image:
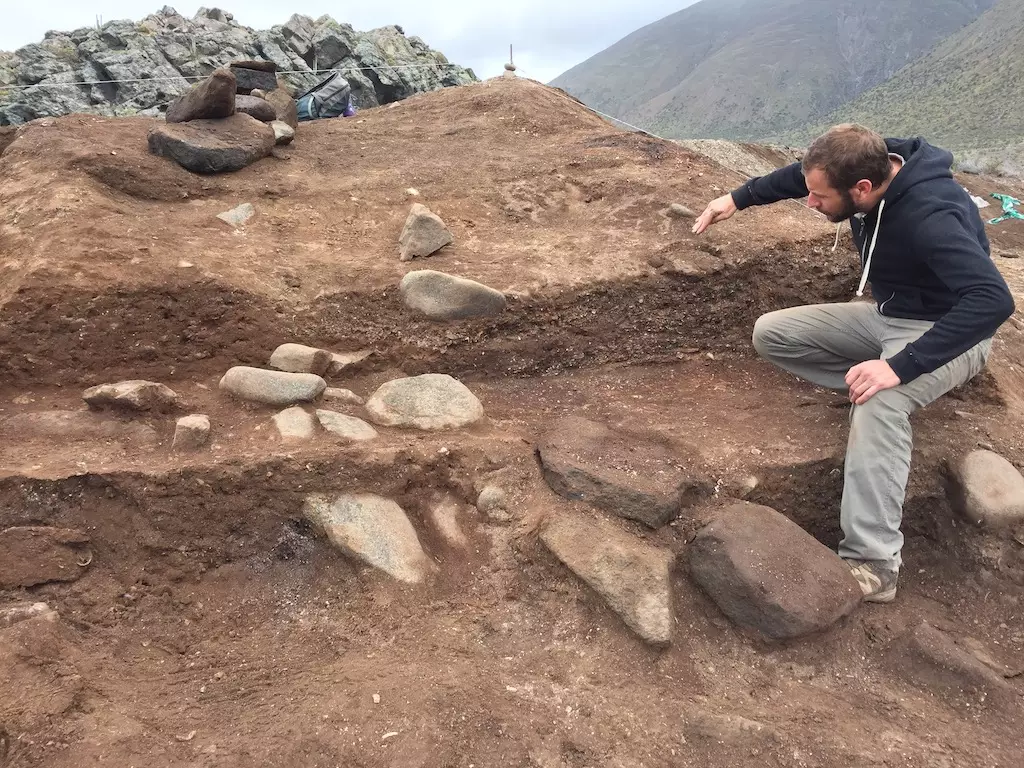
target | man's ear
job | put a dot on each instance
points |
(861, 189)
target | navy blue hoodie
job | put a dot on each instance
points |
(930, 261)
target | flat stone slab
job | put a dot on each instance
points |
(135, 395)
(191, 433)
(348, 428)
(298, 358)
(768, 574)
(988, 490)
(211, 99)
(424, 233)
(626, 475)
(213, 146)
(295, 425)
(77, 426)
(238, 216)
(631, 576)
(251, 78)
(371, 529)
(430, 401)
(446, 297)
(31, 555)
(272, 387)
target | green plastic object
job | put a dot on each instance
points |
(1009, 208)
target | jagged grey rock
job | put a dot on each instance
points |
(213, 146)
(155, 59)
(272, 387)
(191, 433)
(283, 133)
(430, 401)
(768, 574)
(987, 490)
(211, 99)
(372, 529)
(261, 109)
(446, 297)
(298, 358)
(294, 424)
(348, 428)
(135, 395)
(238, 216)
(423, 234)
(631, 576)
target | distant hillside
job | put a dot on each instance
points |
(751, 69)
(967, 92)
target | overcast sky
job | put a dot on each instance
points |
(548, 36)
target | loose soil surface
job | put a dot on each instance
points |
(211, 626)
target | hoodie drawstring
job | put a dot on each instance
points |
(835, 245)
(871, 250)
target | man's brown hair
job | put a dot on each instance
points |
(848, 153)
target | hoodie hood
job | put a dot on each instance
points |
(921, 163)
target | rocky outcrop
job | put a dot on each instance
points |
(165, 53)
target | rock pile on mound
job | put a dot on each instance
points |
(156, 59)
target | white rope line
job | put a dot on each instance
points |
(203, 77)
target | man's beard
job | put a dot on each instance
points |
(847, 211)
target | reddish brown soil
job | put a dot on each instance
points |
(213, 628)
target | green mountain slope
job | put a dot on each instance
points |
(750, 69)
(967, 92)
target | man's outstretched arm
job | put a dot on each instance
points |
(784, 184)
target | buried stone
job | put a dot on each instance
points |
(627, 475)
(424, 233)
(272, 387)
(446, 297)
(988, 490)
(135, 395)
(769, 575)
(191, 433)
(348, 428)
(298, 358)
(631, 576)
(372, 529)
(430, 401)
(295, 425)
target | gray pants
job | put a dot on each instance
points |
(821, 343)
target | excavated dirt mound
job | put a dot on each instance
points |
(198, 619)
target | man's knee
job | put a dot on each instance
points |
(766, 337)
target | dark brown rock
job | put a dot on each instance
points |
(31, 555)
(624, 474)
(211, 99)
(213, 146)
(261, 109)
(248, 79)
(768, 574)
(285, 106)
(258, 64)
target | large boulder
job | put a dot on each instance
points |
(213, 146)
(767, 574)
(987, 490)
(372, 529)
(446, 297)
(631, 576)
(430, 401)
(627, 475)
(272, 387)
(423, 234)
(211, 99)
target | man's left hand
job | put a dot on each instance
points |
(867, 379)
